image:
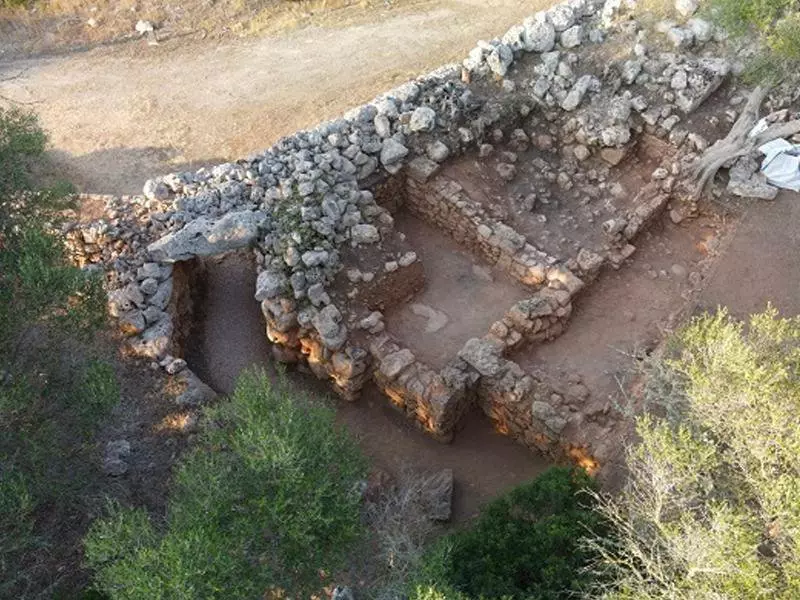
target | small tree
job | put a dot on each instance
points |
(711, 509)
(266, 502)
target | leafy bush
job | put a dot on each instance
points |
(524, 545)
(712, 505)
(775, 22)
(51, 398)
(266, 501)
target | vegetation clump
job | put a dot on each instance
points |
(711, 508)
(265, 503)
(524, 545)
(54, 390)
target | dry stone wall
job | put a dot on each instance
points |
(302, 205)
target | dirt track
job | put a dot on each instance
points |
(118, 116)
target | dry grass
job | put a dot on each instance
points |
(400, 522)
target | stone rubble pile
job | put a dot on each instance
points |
(304, 203)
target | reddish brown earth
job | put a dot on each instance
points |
(231, 337)
(631, 309)
(762, 262)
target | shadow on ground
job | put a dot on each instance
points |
(127, 168)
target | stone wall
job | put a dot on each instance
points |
(302, 204)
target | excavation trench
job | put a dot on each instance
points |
(227, 336)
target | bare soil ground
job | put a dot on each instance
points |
(465, 294)
(761, 263)
(120, 115)
(631, 310)
(231, 337)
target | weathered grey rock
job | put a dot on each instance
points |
(421, 169)
(392, 364)
(364, 233)
(703, 30)
(269, 284)
(423, 119)
(513, 38)
(372, 322)
(132, 322)
(679, 80)
(327, 322)
(408, 259)
(549, 416)
(680, 37)
(383, 126)
(572, 37)
(631, 70)
(437, 495)
(317, 295)
(703, 81)
(315, 258)
(207, 237)
(149, 286)
(437, 151)
(539, 35)
(578, 91)
(615, 136)
(155, 341)
(163, 295)
(155, 190)
(392, 152)
(562, 16)
(195, 392)
(755, 187)
(483, 356)
(686, 8)
(500, 59)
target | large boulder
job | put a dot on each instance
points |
(539, 34)
(207, 237)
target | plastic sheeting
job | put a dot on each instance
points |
(781, 164)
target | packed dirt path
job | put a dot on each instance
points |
(118, 116)
(230, 337)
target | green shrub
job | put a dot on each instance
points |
(266, 501)
(524, 545)
(53, 393)
(776, 23)
(712, 505)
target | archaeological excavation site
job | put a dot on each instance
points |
(505, 235)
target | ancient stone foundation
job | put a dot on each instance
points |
(522, 155)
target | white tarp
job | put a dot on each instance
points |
(781, 164)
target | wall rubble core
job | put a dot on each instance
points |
(317, 211)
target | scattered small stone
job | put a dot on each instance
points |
(506, 171)
(679, 271)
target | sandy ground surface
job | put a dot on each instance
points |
(120, 115)
(468, 293)
(231, 338)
